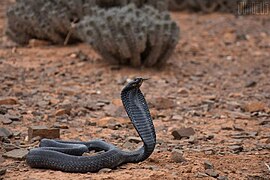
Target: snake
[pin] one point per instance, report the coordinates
(69, 156)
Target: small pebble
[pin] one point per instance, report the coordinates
(177, 156)
(208, 165)
(222, 178)
(211, 173)
(105, 170)
(3, 171)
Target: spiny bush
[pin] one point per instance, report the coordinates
(128, 35)
(209, 6)
(52, 19)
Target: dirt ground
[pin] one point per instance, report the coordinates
(216, 82)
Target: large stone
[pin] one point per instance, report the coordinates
(183, 132)
(19, 154)
(43, 132)
(5, 133)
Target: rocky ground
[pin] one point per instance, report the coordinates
(210, 104)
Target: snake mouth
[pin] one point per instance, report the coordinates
(139, 81)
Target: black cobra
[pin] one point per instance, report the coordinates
(67, 155)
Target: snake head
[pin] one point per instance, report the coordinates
(135, 83)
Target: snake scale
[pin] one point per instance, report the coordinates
(68, 156)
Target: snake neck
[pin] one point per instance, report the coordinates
(138, 112)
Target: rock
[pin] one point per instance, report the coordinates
(61, 112)
(5, 120)
(255, 107)
(16, 133)
(13, 117)
(101, 104)
(244, 135)
(104, 122)
(183, 91)
(177, 156)
(66, 104)
(5, 133)
(227, 128)
(35, 139)
(3, 110)
(115, 111)
(265, 122)
(1, 159)
(183, 132)
(236, 95)
(133, 139)
(237, 128)
(208, 165)
(105, 170)
(163, 103)
(117, 102)
(253, 134)
(177, 117)
(206, 98)
(43, 132)
(8, 101)
(128, 145)
(18, 154)
(209, 136)
(238, 115)
(232, 105)
(113, 126)
(229, 37)
(60, 126)
(236, 148)
(211, 173)
(70, 91)
(250, 84)
(222, 178)
(201, 175)
(53, 101)
(112, 123)
(9, 147)
(3, 171)
(192, 140)
(38, 43)
(209, 151)
(154, 113)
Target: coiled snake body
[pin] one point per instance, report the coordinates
(67, 155)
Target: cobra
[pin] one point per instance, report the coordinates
(67, 155)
